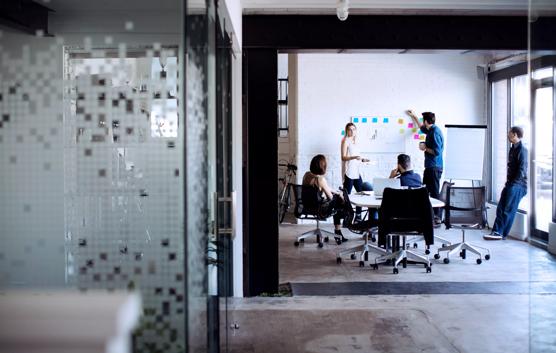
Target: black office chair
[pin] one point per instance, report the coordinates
(367, 227)
(405, 213)
(308, 207)
(441, 197)
(465, 209)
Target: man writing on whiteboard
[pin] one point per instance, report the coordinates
(515, 188)
(433, 147)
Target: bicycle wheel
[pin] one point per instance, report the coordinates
(284, 205)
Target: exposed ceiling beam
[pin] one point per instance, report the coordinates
(25, 15)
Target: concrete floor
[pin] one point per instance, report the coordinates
(399, 323)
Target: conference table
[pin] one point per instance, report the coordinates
(367, 199)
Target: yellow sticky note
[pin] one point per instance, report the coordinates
(402, 131)
(422, 137)
(400, 121)
(414, 129)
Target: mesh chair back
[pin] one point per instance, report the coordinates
(308, 202)
(466, 206)
(443, 196)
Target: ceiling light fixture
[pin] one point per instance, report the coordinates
(342, 9)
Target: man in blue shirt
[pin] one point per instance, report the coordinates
(405, 173)
(515, 188)
(433, 149)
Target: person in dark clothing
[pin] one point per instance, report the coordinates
(515, 188)
(433, 149)
(404, 172)
(331, 201)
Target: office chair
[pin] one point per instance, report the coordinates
(405, 213)
(307, 207)
(443, 241)
(366, 227)
(465, 209)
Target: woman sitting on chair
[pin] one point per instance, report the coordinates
(330, 202)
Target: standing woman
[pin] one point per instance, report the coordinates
(351, 162)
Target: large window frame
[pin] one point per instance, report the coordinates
(508, 74)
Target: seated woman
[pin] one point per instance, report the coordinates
(331, 201)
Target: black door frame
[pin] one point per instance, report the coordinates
(265, 35)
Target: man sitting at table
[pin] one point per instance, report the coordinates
(404, 172)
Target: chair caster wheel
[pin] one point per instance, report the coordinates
(395, 271)
(429, 269)
(361, 263)
(437, 256)
(321, 245)
(446, 260)
(374, 266)
(479, 261)
(404, 264)
(296, 243)
(444, 245)
(373, 239)
(352, 256)
(487, 257)
(427, 252)
(302, 240)
(462, 254)
(415, 245)
(326, 239)
(338, 241)
(338, 260)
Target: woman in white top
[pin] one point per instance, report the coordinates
(351, 161)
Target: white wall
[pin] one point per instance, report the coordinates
(335, 87)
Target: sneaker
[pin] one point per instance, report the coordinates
(437, 221)
(493, 236)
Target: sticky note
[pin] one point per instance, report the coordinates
(402, 131)
(400, 121)
(422, 137)
(355, 120)
(410, 125)
(363, 120)
(414, 130)
(416, 137)
(375, 120)
(343, 132)
(385, 120)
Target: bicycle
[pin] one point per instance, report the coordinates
(284, 196)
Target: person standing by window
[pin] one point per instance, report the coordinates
(433, 147)
(515, 188)
(351, 163)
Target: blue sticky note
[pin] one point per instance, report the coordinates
(375, 120)
(363, 120)
(355, 120)
(343, 132)
(385, 120)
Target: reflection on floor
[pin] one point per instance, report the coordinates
(503, 305)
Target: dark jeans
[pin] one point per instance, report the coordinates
(431, 178)
(507, 208)
(349, 184)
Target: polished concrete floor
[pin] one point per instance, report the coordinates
(486, 322)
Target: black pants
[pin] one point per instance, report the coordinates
(431, 178)
(351, 183)
(334, 207)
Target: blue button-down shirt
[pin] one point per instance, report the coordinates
(517, 165)
(434, 141)
(410, 179)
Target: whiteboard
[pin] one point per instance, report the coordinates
(382, 134)
(465, 152)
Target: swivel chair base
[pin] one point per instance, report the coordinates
(403, 256)
(462, 248)
(321, 234)
(364, 250)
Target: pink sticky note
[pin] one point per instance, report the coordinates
(416, 137)
(410, 125)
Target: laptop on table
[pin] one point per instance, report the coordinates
(379, 184)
